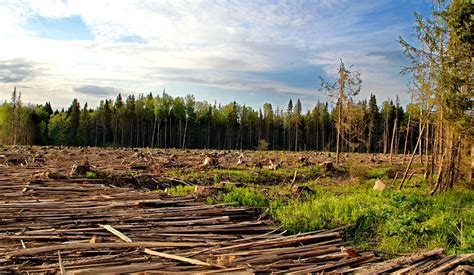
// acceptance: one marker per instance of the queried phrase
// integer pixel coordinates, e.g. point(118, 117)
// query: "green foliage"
point(376, 173)
point(91, 175)
point(58, 129)
point(245, 197)
point(165, 121)
point(263, 145)
point(392, 221)
point(181, 190)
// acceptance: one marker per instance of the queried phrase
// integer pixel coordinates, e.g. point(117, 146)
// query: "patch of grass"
point(376, 173)
point(245, 197)
point(392, 221)
point(91, 175)
point(181, 190)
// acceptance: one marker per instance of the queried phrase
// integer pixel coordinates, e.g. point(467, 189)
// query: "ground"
point(293, 191)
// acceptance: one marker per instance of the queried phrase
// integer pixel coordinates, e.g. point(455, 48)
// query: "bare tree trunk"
point(185, 130)
point(95, 132)
point(385, 134)
point(166, 133)
point(296, 136)
point(170, 126)
point(339, 115)
point(406, 138)
point(427, 144)
point(471, 173)
point(180, 133)
point(440, 175)
point(393, 140)
point(412, 156)
point(158, 134)
point(153, 133)
point(208, 134)
point(419, 127)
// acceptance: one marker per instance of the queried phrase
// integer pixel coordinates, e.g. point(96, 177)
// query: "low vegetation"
point(390, 221)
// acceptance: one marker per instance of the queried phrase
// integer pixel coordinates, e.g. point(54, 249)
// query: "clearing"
point(89, 210)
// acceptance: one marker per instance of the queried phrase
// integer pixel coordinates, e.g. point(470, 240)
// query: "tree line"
point(164, 121)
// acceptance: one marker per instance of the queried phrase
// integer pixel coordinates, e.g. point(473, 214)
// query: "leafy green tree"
point(74, 112)
point(58, 129)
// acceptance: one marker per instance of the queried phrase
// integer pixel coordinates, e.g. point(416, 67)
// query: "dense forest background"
point(165, 121)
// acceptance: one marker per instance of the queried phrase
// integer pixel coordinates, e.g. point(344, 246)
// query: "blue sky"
point(249, 51)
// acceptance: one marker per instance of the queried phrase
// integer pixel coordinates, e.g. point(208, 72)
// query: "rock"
point(379, 185)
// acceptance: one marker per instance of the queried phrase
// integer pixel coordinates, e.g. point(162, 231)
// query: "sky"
point(248, 51)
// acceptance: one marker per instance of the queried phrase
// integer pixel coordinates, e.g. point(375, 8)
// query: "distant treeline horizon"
point(164, 121)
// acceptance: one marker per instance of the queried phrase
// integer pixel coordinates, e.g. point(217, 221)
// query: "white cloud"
point(194, 42)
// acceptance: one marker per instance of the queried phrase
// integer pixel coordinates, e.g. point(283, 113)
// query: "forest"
point(166, 122)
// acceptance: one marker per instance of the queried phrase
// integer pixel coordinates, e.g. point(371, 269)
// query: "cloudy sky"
point(249, 51)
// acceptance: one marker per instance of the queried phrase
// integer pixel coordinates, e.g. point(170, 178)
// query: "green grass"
point(245, 196)
point(391, 221)
point(376, 173)
point(91, 175)
point(181, 190)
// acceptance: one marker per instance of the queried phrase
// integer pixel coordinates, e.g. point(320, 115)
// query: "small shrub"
point(91, 175)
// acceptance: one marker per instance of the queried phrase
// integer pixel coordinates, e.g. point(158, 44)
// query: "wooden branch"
point(72, 246)
point(452, 263)
point(156, 253)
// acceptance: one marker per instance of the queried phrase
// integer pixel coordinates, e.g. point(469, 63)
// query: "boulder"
point(379, 185)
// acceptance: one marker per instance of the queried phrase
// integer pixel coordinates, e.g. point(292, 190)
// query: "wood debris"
point(88, 226)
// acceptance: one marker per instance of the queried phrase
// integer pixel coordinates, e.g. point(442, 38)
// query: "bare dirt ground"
point(83, 210)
